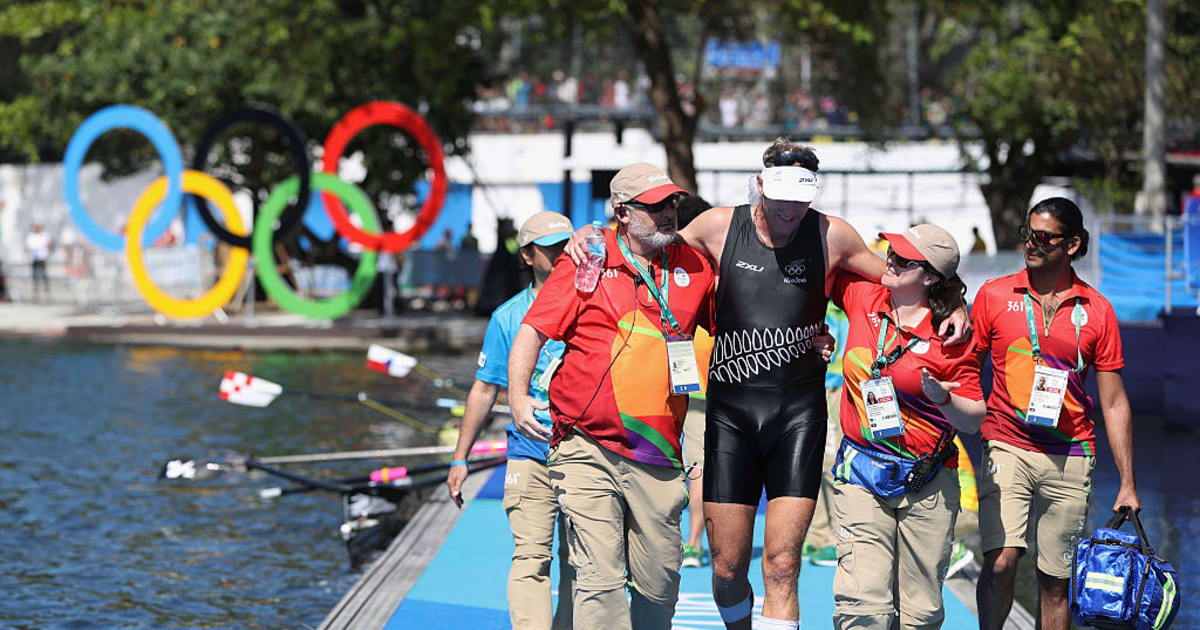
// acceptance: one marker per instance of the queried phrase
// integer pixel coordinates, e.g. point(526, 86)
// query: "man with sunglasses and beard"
point(618, 402)
point(1045, 326)
point(767, 415)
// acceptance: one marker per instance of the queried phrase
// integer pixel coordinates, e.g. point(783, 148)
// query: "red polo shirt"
point(866, 303)
point(998, 316)
point(613, 383)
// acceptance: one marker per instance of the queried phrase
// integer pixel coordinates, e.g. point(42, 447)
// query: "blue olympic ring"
point(147, 124)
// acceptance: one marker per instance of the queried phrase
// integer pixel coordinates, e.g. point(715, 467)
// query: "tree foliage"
point(667, 37)
point(188, 62)
point(1046, 83)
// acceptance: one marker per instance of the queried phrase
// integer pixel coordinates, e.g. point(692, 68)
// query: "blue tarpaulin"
point(1191, 241)
point(1133, 268)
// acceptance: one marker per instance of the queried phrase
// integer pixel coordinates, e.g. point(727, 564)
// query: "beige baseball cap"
point(641, 182)
point(929, 243)
point(545, 228)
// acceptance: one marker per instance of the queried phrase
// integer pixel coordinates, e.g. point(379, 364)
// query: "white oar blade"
point(240, 388)
point(387, 361)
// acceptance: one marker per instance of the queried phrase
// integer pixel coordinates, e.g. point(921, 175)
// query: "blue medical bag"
point(1118, 582)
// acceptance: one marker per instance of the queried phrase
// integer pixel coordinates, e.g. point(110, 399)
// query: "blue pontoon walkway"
point(464, 585)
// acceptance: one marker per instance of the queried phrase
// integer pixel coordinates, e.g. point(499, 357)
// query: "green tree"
point(188, 62)
point(667, 37)
point(1040, 80)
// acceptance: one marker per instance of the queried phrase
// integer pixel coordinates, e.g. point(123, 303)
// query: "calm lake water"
point(90, 539)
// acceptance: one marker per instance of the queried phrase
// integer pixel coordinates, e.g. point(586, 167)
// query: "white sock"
point(766, 623)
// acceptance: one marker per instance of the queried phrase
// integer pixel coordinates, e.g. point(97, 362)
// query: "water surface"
point(90, 539)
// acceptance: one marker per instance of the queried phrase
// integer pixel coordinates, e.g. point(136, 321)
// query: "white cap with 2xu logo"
point(789, 183)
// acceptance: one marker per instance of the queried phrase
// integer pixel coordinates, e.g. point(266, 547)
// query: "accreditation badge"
point(681, 358)
point(883, 411)
point(1046, 396)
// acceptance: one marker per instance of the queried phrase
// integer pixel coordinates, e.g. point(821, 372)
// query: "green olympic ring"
point(264, 257)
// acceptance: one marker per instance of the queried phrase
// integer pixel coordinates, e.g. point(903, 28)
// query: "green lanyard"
point(883, 360)
point(1076, 318)
point(660, 295)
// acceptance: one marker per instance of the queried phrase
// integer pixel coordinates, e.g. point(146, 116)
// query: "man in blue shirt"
point(528, 498)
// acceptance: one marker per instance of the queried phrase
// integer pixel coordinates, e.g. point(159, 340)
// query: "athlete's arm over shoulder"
point(706, 233)
point(846, 250)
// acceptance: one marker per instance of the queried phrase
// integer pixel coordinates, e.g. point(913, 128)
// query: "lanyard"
point(1076, 318)
point(660, 295)
point(881, 360)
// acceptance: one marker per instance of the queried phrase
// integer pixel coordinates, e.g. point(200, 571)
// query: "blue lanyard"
point(1076, 318)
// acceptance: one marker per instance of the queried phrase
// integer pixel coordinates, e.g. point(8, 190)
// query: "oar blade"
point(240, 388)
point(190, 469)
point(387, 361)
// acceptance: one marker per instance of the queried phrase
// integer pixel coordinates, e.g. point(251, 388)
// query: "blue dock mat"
point(465, 585)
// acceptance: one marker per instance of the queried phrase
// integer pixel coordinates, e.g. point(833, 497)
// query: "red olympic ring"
point(396, 115)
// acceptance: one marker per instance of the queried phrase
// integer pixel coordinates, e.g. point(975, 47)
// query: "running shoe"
point(825, 557)
point(809, 550)
point(692, 556)
point(960, 557)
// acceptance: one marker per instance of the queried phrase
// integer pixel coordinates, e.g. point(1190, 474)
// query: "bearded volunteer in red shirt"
point(615, 461)
point(1045, 327)
point(906, 395)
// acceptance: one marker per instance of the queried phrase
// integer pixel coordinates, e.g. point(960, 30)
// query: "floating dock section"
point(449, 569)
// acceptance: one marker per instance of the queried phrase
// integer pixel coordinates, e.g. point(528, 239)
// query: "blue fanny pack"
point(1118, 582)
point(884, 474)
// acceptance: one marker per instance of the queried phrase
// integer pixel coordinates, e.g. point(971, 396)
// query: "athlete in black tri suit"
point(766, 422)
point(766, 405)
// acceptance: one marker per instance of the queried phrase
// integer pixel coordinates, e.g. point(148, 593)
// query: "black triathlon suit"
point(766, 416)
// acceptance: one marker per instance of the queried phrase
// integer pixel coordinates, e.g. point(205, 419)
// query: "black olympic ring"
point(289, 221)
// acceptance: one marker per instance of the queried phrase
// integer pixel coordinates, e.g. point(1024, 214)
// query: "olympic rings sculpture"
point(157, 206)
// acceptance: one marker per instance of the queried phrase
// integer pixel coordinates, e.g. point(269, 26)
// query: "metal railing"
point(553, 117)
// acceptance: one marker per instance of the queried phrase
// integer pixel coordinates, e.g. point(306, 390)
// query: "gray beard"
point(651, 238)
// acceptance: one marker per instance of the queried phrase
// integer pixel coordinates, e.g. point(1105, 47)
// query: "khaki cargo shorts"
point(693, 439)
point(1025, 494)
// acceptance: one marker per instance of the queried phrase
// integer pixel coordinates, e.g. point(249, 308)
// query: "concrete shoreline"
point(266, 331)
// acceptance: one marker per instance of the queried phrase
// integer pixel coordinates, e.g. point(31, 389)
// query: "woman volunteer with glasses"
point(1044, 327)
point(906, 394)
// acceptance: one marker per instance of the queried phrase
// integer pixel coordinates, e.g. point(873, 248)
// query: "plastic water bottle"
point(588, 274)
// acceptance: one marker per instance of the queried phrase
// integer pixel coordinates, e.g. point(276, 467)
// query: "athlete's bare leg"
point(730, 536)
point(787, 524)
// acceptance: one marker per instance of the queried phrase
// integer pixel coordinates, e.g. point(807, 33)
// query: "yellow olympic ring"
point(196, 183)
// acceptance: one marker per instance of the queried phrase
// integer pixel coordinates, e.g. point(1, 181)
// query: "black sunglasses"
point(901, 262)
point(1040, 238)
point(788, 158)
point(655, 208)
